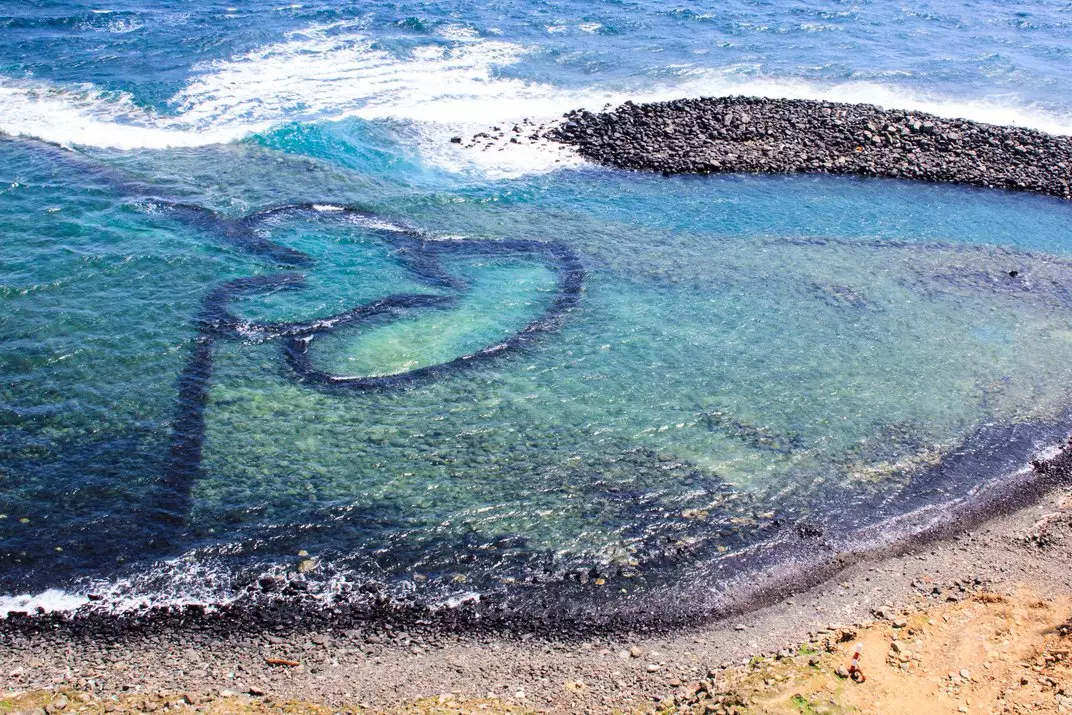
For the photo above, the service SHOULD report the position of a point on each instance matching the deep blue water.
(742, 348)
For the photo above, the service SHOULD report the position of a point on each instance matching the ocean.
(266, 309)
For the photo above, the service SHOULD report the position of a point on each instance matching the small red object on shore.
(282, 661)
(855, 672)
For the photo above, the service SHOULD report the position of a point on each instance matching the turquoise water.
(745, 354)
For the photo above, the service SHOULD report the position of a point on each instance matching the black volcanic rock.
(753, 135)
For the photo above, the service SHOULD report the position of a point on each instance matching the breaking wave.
(451, 85)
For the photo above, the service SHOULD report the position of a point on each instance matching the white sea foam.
(121, 27)
(448, 87)
(459, 32)
(327, 72)
(994, 110)
(183, 581)
(173, 582)
(86, 116)
(48, 601)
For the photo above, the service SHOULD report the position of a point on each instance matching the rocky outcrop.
(747, 134)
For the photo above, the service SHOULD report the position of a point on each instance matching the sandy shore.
(1010, 562)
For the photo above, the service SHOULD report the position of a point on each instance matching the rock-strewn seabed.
(783, 136)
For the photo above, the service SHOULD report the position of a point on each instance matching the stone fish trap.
(421, 256)
(783, 555)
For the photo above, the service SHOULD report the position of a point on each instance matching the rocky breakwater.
(747, 134)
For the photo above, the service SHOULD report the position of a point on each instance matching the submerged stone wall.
(753, 135)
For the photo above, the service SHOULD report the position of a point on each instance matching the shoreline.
(774, 569)
(389, 669)
(797, 558)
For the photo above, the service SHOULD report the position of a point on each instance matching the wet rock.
(270, 584)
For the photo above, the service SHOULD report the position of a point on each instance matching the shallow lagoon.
(748, 354)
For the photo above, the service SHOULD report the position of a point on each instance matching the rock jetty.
(784, 136)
